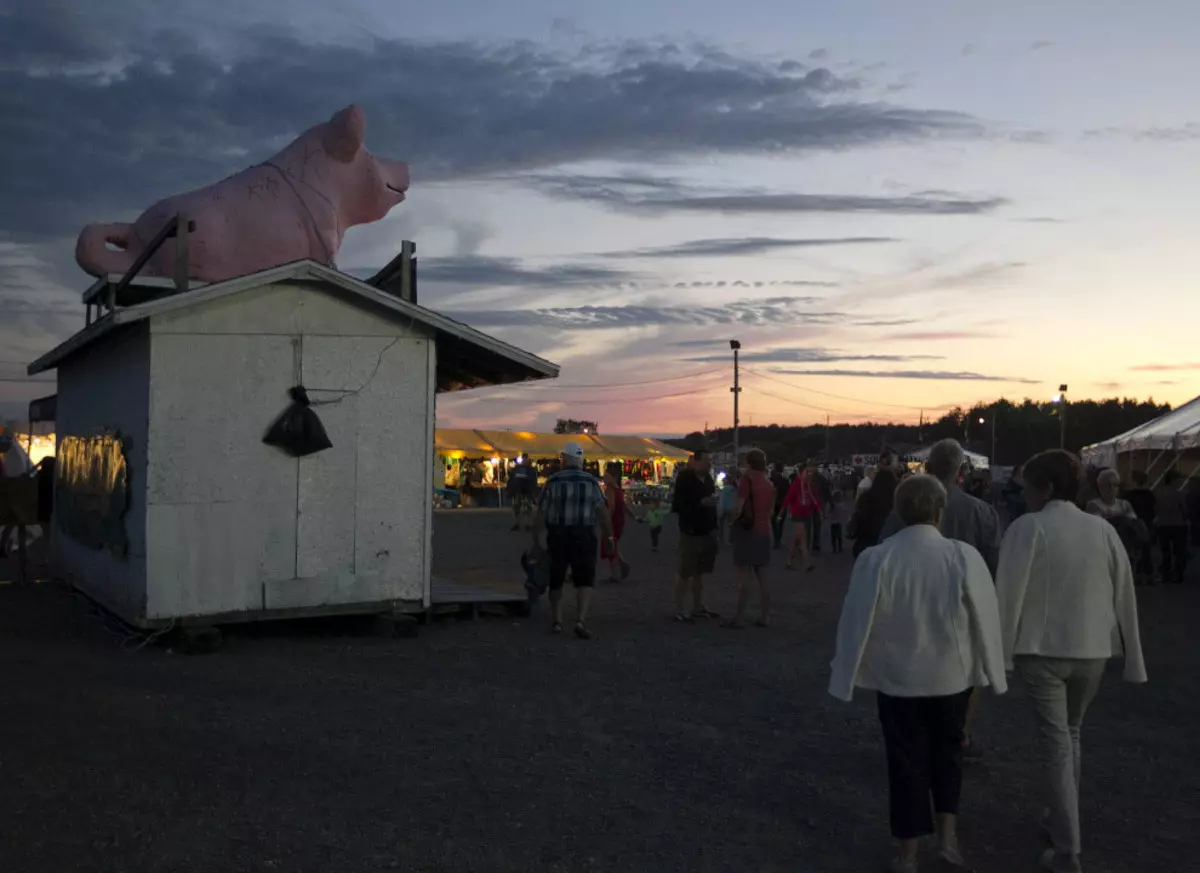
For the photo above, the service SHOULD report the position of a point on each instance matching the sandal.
(683, 617)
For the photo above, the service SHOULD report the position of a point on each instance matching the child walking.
(839, 517)
(656, 515)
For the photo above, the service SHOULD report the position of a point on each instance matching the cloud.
(1108, 386)
(934, 375)
(1039, 45)
(657, 196)
(888, 322)
(939, 335)
(1164, 368)
(104, 118)
(968, 49)
(1188, 132)
(496, 272)
(744, 246)
(766, 312)
(807, 356)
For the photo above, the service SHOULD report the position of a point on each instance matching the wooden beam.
(182, 226)
(169, 230)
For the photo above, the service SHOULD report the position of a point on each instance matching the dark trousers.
(655, 533)
(1174, 542)
(923, 737)
(835, 537)
(814, 531)
(777, 523)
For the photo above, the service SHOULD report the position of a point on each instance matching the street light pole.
(1061, 399)
(737, 391)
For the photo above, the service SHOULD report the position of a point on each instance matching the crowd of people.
(943, 601)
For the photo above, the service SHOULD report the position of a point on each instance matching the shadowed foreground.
(489, 745)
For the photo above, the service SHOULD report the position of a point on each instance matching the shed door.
(362, 519)
(326, 489)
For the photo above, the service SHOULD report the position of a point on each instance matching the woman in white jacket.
(920, 627)
(1067, 605)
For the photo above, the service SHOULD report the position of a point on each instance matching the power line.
(842, 396)
(593, 401)
(550, 383)
(809, 406)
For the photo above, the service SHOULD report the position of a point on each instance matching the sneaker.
(899, 865)
(1057, 862)
(582, 631)
(950, 856)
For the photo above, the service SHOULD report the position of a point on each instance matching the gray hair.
(946, 458)
(1109, 475)
(920, 500)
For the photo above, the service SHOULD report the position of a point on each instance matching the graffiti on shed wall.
(92, 491)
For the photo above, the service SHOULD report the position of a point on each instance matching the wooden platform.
(448, 596)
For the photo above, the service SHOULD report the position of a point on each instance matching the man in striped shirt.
(570, 508)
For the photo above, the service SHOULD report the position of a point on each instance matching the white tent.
(977, 461)
(1161, 439)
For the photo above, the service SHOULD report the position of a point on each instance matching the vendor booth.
(916, 460)
(1171, 440)
(475, 463)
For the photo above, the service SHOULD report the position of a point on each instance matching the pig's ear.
(344, 134)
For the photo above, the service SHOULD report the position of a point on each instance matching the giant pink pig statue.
(296, 205)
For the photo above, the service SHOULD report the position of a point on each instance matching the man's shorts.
(574, 549)
(697, 554)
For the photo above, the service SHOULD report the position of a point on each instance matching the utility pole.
(995, 415)
(827, 440)
(1061, 399)
(737, 391)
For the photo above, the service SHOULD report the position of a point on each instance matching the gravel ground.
(489, 745)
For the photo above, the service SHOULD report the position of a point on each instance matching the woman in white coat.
(920, 627)
(1067, 605)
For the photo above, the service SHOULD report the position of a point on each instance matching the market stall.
(1171, 440)
(475, 463)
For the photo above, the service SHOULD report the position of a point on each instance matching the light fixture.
(981, 420)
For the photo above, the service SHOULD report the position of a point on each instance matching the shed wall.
(105, 388)
(235, 525)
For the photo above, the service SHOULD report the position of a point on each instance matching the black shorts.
(574, 549)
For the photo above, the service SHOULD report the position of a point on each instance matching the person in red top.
(751, 530)
(803, 503)
(614, 499)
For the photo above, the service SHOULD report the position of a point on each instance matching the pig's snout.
(395, 175)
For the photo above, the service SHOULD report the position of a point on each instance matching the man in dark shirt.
(695, 502)
(781, 489)
(522, 492)
(825, 495)
(1141, 498)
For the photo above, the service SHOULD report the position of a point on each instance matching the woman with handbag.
(751, 533)
(802, 502)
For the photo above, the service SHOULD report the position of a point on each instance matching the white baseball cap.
(573, 450)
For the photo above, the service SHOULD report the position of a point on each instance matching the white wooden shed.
(169, 506)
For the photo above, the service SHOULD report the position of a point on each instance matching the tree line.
(1005, 431)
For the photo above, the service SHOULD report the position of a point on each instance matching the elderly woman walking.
(1066, 595)
(920, 627)
(751, 534)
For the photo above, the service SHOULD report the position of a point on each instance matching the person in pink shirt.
(803, 504)
(750, 529)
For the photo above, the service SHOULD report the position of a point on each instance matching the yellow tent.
(639, 448)
(461, 444)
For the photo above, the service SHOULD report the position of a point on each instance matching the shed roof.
(467, 358)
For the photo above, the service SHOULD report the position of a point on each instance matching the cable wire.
(550, 383)
(841, 396)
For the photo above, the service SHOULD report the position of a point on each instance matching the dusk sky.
(893, 206)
